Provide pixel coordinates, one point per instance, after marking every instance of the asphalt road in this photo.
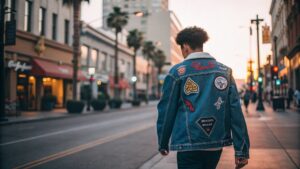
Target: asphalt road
(122, 139)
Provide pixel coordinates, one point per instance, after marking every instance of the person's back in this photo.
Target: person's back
(200, 108)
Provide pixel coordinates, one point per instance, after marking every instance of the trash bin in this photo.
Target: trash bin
(278, 103)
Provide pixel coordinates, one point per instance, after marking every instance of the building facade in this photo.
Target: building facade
(285, 44)
(39, 65)
(98, 52)
(156, 13)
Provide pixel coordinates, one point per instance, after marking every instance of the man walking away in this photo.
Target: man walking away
(200, 108)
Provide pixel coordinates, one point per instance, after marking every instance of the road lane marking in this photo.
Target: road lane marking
(103, 124)
(83, 147)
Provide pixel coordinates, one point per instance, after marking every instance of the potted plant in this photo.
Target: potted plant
(48, 102)
(115, 103)
(136, 103)
(99, 103)
(74, 106)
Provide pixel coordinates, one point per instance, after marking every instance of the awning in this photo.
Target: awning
(49, 69)
(123, 83)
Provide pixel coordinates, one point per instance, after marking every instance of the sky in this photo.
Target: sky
(227, 23)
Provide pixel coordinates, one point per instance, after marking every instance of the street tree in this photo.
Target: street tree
(159, 60)
(134, 40)
(117, 20)
(76, 39)
(148, 51)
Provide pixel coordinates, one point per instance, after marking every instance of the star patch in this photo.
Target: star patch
(181, 70)
(189, 105)
(219, 103)
(207, 124)
(190, 87)
(221, 82)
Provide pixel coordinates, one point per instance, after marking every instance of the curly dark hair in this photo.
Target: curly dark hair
(194, 36)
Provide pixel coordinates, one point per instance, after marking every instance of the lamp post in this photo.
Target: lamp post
(260, 106)
(2, 69)
(91, 72)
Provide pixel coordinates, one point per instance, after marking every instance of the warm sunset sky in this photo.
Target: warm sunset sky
(226, 21)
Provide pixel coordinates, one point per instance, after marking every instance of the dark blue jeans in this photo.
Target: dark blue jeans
(198, 159)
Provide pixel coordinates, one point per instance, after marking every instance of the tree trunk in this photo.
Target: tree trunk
(147, 80)
(76, 43)
(116, 78)
(134, 74)
(158, 84)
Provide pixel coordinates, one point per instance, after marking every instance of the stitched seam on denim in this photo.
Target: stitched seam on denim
(203, 143)
(168, 106)
(186, 121)
(174, 78)
(202, 128)
(201, 73)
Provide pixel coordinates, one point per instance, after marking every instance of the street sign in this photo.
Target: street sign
(266, 34)
(10, 33)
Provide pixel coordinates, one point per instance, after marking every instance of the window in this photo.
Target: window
(93, 58)
(67, 23)
(84, 55)
(105, 61)
(54, 26)
(27, 16)
(42, 20)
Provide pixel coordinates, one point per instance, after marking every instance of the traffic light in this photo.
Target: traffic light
(260, 79)
(274, 72)
(278, 82)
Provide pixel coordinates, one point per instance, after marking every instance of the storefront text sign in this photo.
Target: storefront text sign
(18, 65)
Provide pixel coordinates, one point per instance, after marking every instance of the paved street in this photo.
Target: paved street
(274, 138)
(112, 140)
(126, 139)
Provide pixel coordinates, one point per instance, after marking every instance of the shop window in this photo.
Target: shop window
(28, 16)
(93, 58)
(42, 21)
(84, 55)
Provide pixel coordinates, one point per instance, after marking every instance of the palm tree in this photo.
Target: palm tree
(159, 60)
(76, 39)
(134, 40)
(117, 20)
(148, 51)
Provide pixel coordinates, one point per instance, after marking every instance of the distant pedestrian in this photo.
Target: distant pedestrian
(200, 108)
(297, 98)
(290, 97)
(254, 97)
(246, 98)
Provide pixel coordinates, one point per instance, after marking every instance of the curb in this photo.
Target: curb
(67, 115)
(150, 163)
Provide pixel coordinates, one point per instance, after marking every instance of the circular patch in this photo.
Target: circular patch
(221, 82)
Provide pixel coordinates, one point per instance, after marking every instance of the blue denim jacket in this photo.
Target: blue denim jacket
(200, 108)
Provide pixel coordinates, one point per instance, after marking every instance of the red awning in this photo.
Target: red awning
(45, 68)
(123, 83)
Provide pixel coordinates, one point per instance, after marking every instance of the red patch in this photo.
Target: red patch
(198, 66)
(189, 105)
(181, 70)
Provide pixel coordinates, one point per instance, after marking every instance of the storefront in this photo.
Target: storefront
(38, 81)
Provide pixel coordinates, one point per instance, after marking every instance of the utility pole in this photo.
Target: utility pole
(2, 68)
(260, 106)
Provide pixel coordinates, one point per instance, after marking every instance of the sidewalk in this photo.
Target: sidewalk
(31, 116)
(274, 141)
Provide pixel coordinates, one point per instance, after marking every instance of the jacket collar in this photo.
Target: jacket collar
(199, 55)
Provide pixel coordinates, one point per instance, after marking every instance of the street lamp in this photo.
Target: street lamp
(91, 72)
(260, 105)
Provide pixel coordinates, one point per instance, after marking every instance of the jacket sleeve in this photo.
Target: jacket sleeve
(167, 110)
(241, 141)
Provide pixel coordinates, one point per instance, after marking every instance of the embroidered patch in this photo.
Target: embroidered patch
(221, 82)
(190, 87)
(189, 105)
(207, 124)
(198, 66)
(181, 70)
(219, 103)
